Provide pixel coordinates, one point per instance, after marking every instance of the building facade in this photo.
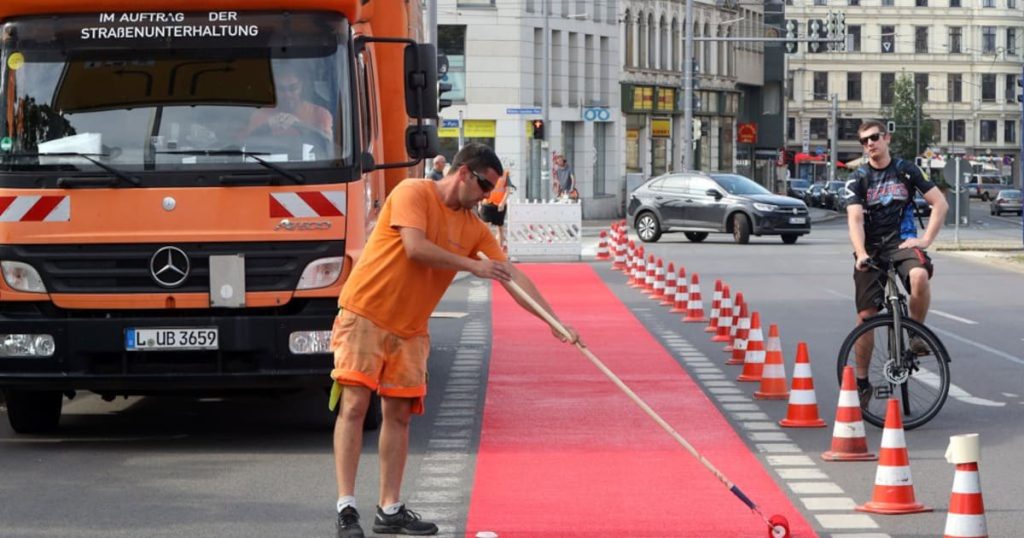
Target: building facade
(964, 57)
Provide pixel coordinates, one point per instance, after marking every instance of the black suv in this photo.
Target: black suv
(698, 204)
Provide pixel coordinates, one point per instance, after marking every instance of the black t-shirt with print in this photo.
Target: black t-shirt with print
(887, 196)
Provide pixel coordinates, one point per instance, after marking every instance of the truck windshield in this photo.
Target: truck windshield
(175, 92)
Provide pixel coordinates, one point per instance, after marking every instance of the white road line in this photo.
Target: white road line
(979, 345)
(828, 503)
(952, 317)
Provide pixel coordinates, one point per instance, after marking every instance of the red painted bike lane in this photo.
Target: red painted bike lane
(564, 452)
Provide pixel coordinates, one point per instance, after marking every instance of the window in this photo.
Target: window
(921, 3)
(1009, 131)
(988, 87)
(988, 130)
(628, 45)
(955, 36)
(820, 85)
(921, 39)
(475, 3)
(887, 3)
(988, 39)
(600, 152)
(819, 2)
(854, 2)
(848, 129)
(819, 128)
(888, 80)
(1011, 83)
(855, 32)
(954, 3)
(1011, 4)
(988, 3)
(921, 86)
(888, 39)
(956, 129)
(790, 128)
(451, 41)
(955, 87)
(1011, 41)
(853, 86)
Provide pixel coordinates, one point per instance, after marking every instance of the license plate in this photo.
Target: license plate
(170, 338)
(798, 220)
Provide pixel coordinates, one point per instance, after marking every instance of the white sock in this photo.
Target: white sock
(391, 509)
(348, 500)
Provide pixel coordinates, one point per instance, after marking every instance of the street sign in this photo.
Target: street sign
(534, 110)
(450, 124)
(819, 150)
(597, 113)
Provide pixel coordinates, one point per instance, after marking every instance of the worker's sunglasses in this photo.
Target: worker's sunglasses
(870, 137)
(485, 185)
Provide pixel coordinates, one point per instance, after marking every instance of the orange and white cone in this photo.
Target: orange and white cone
(966, 517)
(716, 304)
(724, 317)
(648, 282)
(658, 290)
(682, 292)
(734, 323)
(802, 411)
(753, 359)
(669, 297)
(620, 250)
(894, 487)
(631, 254)
(694, 305)
(739, 344)
(848, 440)
(602, 246)
(773, 376)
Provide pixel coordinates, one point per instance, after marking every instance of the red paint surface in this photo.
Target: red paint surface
(564, 452)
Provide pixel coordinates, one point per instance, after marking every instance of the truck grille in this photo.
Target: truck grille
(126, 268)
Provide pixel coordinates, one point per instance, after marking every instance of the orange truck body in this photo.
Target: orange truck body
(97, 245)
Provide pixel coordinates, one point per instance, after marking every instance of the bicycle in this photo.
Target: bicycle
(919, 380)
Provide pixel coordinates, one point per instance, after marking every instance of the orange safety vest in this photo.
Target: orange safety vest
(499, 193)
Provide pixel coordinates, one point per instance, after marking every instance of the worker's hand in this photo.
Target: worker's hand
(282, 121)
(558, 334)
(914, 242)
(496, 270)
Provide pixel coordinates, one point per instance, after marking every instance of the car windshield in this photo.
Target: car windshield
(835, 186)
(799, 183)
(175, 92)
(736, 184)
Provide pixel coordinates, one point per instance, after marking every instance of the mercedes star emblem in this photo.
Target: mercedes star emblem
(169, 267)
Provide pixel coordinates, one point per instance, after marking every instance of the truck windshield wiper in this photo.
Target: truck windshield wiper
(297, 178)
(72, 181)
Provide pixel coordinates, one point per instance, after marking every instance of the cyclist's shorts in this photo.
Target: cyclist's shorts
(372, 357)
(870, 284)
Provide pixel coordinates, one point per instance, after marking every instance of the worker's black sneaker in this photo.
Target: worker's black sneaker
(864, 391)
(405, 521)
(919, 347)
(348, 523)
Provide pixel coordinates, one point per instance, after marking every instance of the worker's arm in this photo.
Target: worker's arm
(855, 223)
(528, 287)
(421, 250)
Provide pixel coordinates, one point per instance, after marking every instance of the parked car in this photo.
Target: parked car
(834, 195)
(921, 206)
(796, 188)
(698, 204)
(985, 187)
(814, 196)
(1007, 201)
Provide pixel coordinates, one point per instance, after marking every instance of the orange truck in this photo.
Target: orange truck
(185, 184)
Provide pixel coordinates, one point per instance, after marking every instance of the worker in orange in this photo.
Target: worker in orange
(493, 208)
(293, 112)
(426, 233)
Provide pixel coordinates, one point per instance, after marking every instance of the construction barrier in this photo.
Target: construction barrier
(544, 231)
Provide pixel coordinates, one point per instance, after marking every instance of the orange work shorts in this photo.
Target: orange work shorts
(372, 357)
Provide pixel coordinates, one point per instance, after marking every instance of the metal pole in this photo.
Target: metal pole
(833, 135)
(462, 132)
(544, 192)
(431, 21)
(688, 90)
(1020, 156)
(917, 122)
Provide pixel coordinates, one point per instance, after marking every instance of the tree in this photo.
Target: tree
(904, 111)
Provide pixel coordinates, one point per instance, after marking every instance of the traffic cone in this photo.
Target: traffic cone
(773, 376)
(716, 304)
(682, 292)
(848, 440)
(602, 246)
(739, 344)
(669, 297)
(966, 516)
(694, 305)
(753, 359)
(638, 262)
(620, 250)
(648, 282)
(802, 411)
(894, 487)
(734, 322)
(724, 317)
(658, 291)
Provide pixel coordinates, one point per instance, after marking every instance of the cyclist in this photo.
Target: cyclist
(879, 199)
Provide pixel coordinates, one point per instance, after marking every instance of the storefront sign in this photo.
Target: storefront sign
(471, 129)
(746, 133)
(661, 127)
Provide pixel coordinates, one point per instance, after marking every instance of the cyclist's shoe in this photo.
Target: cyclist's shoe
(348, 523)
(864, 392)
(405, 521)
(919, 347)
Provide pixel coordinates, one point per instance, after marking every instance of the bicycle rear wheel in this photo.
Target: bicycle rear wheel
(919, 381)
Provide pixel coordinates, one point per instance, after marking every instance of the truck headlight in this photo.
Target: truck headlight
(767, 208)
(320, 273)
(309, 342)
(26, 345)
(21, 276)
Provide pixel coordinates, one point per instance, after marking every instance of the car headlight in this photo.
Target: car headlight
(21, 276)
(320, 273)
(767, 208)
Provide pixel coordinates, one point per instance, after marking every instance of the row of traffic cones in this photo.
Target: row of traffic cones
(731, 322)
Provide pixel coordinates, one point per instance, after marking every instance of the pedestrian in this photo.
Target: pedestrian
(437, 171)
(494, 207)
(879, 199)
(426, 233)
(563, 177)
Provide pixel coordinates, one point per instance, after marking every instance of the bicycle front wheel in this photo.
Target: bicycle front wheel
(917, 376)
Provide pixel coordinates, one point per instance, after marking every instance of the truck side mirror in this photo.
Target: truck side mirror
(422, 142)
(421, 81)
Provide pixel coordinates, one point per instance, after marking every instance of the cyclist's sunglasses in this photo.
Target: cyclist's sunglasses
(870, 137)
(485, 185)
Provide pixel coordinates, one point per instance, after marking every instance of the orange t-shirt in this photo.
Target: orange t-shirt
(395, 292)
(311, 115)
(499, 193)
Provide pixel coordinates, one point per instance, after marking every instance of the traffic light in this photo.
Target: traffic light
(814, 28)
(538, 129)
(890, 126)
(441, 101)
(792, 33)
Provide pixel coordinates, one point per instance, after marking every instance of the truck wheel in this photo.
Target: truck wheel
(33, 411)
